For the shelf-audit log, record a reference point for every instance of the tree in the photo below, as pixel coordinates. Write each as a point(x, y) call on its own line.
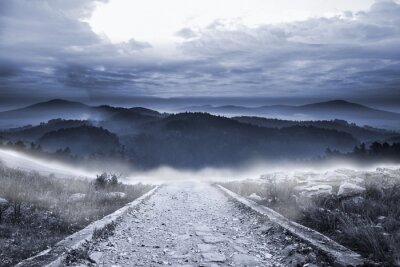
point(64, 152)
point(20, 145)
point(67, 151)
point(32, 146)
point(331, 153)
point(360, 150)
point(376, 148)
point(114, 180)
point(101, 181)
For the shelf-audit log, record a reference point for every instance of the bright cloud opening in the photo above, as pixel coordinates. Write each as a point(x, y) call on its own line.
point(157, 21)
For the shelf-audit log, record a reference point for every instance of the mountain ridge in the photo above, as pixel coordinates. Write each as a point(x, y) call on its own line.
point(327, 110)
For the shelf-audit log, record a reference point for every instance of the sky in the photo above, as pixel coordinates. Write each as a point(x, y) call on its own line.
point(117, 50)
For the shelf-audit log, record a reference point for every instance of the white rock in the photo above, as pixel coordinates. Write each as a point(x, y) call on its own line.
point(317, 191)
point(239, 249)
point(347, 190)
point(200, 233)
point(268, 255)
point(202, 228)
point(96, 256)
point(215, 257)
point(213, 239)
point(244, 260)
point(255, 197)
point(205, 247)
point(346, 172)
point(3, 201)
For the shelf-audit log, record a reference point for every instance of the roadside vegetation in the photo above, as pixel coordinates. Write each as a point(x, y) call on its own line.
point(362, 215)
point(37, 211)
point(364, 154)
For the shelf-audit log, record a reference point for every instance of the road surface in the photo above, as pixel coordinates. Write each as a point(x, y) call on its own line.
point(194, 224)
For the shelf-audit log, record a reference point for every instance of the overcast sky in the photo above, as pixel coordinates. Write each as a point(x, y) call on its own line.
point(117, 49)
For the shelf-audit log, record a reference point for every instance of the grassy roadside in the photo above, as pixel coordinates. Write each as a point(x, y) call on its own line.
point(367, 222)
point(41, 210)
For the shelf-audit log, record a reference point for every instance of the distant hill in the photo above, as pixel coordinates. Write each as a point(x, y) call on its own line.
point(31, 133)
point(190, 140)
point(83, 140)
point(42, 112)
point(335, 104)
point(330, 110)
point(345, 108)
point(129, 121)
point(63, 109)
point(363, 134)
point(195, 140)
point(56, 104)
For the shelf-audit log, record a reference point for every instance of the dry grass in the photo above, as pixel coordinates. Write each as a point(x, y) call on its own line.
point(41, 212)
point(369, 223)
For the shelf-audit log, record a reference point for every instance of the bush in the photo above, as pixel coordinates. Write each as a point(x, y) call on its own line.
point(106, 181)
point(101, 181)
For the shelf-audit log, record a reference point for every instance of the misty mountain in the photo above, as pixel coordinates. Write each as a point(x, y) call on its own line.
point(34, 114)
point(148, 138)
point(128, 121)
point(330, 110)
point(188, 140)
point(67, 110)
point(31, 133)
point(83, 140)
point(344, 108)
point(115, 117)
point(194, 140)
point(363, 134)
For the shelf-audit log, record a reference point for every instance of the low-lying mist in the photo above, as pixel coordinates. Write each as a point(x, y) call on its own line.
point(251, 171)
point(165, 174)
point(19, 160)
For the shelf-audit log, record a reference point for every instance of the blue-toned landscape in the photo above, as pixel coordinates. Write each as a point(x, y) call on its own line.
point(199, 133)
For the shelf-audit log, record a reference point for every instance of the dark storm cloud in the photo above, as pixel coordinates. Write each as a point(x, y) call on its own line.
point(51, 52)
point(7, 69)
point(326, 56)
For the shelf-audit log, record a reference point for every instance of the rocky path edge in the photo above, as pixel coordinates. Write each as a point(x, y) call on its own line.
point(338, 254)
point(54, 256)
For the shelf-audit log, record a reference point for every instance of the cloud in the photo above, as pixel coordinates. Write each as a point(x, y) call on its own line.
point(7, 69)
point(320, 56)
point(50, 51)
point(132, 46)
point(186, 33)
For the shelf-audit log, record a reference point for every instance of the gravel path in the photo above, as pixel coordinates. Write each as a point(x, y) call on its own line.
point(194, 224)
